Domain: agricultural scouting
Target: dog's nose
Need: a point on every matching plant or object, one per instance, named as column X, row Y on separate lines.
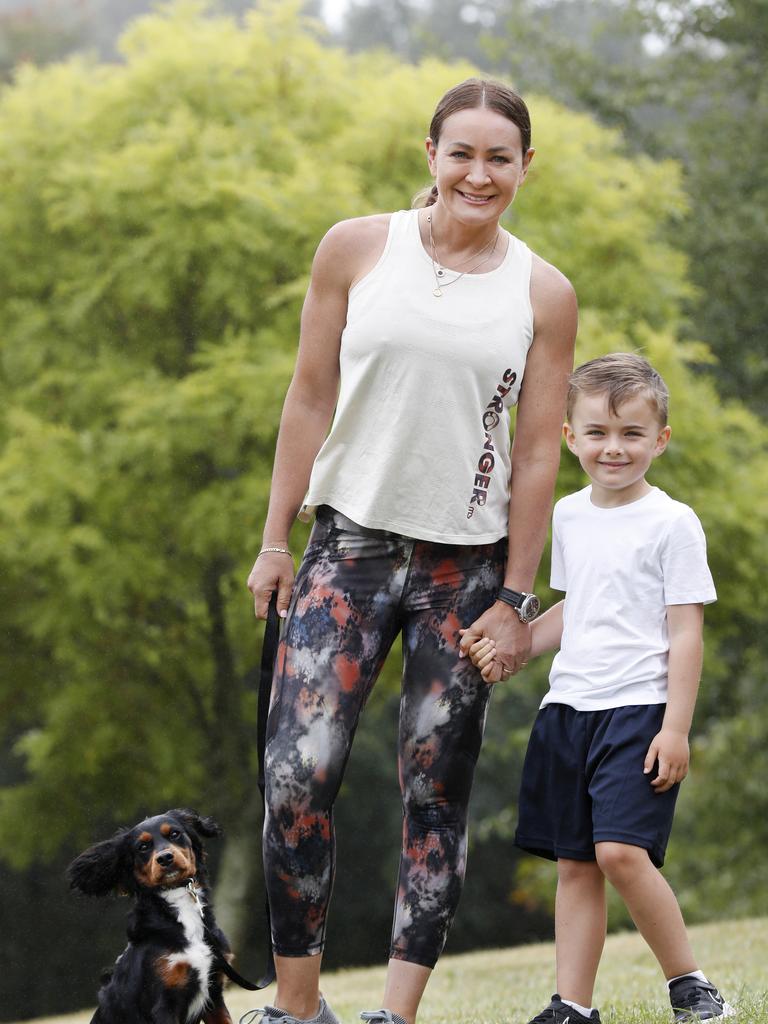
column 165, row 859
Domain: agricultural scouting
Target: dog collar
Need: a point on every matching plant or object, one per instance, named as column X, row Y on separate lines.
column 194, row 892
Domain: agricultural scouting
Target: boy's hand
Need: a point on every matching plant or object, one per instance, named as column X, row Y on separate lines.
column 670, row 749
column 482, row 654
column 511, row 636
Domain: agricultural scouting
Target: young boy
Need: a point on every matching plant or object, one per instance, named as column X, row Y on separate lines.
column 610, row 743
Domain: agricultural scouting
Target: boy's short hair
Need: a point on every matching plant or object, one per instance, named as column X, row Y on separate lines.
column 619, row 375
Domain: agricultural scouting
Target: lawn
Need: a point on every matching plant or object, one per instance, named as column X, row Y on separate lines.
column 509, row 986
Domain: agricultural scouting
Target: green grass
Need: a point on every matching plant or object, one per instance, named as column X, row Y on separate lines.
column 509, row 986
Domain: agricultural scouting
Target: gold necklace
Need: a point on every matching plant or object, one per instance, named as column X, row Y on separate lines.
column 439, row 270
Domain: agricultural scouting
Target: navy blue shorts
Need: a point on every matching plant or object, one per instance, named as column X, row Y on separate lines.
column 583, row 783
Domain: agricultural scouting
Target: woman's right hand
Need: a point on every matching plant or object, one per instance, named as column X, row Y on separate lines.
column 272, row 570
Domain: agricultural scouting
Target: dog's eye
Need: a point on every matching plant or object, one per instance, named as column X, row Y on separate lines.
column 142, row 846
column 174, row 834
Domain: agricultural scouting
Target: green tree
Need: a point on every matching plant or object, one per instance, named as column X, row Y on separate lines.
column 716, row 56
column 159, row 219
column 588, row 54
column 164, row 214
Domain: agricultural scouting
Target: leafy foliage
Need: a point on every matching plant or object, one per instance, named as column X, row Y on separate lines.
column 718, row 57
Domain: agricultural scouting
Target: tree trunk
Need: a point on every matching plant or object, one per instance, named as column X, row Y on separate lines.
column 239, row 890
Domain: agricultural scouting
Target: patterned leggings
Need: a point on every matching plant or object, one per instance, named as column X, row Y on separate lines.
column 355, row 590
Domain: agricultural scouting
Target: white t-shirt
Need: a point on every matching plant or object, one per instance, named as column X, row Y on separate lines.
column 620, row 568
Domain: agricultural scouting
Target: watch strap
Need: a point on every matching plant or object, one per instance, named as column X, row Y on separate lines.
column 512, row 597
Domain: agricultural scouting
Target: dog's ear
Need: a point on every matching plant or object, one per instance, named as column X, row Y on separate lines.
column 192, row 821
column 101, row 869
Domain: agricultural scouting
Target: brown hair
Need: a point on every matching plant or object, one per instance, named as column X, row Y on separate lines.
column 469, row 95
column 619, row 375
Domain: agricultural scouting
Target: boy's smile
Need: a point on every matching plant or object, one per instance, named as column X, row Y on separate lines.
column 615, row 450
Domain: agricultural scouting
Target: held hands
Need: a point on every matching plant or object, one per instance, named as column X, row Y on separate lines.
column 482, row 654
column 271, row 571
column 670, row 749
column 498, row 643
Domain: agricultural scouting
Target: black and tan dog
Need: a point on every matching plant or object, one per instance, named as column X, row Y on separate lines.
column 170, row 972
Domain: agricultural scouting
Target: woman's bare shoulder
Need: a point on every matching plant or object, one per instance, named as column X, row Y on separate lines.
column 555, row 310
column 357, row 236
column 352, row 247
column 548, row 284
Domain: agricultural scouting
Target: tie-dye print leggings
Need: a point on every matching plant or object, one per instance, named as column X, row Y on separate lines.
column 355, row 590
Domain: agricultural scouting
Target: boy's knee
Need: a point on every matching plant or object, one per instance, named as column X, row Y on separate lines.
column 578, row 872
column 620, row 861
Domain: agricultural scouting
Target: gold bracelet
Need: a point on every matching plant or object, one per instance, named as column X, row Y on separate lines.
column 282, row 551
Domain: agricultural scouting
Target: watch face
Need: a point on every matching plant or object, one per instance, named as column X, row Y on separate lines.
column 530, row 608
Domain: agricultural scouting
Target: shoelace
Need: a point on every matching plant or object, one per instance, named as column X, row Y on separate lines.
column 268, row 1015
column 381, row 1017
column 690, row 995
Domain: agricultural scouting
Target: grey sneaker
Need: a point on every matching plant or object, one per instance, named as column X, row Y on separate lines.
column 693, row 1000
column 382, row 1017
column 274, row 1015
column 559, row 1012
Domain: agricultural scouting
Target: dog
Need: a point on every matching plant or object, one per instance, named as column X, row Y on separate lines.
column 171, row 970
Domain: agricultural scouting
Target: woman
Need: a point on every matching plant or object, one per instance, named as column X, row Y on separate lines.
column 421, row 328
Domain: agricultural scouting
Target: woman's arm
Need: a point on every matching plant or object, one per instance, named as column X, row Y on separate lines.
column 535, row 460
column 346, row 253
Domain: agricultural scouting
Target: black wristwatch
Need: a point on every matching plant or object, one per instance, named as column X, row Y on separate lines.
column 526, row 605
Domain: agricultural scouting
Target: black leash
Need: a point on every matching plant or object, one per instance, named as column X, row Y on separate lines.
column 220, row 957
column 268, row 657
column 222, row 962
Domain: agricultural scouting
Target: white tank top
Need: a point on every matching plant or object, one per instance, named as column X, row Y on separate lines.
column 420, row 439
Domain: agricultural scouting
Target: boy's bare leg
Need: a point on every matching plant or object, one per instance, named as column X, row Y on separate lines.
column 404, row 988
column 580, row 922
column 298, row 985
column 651, row 903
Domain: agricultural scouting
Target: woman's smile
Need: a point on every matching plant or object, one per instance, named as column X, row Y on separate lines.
column 475, row 198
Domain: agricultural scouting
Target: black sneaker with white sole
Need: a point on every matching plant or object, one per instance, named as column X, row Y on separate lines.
column 559, row 1012
column 693, row 999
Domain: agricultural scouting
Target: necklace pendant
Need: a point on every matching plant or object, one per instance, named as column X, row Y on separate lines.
column 437, row 293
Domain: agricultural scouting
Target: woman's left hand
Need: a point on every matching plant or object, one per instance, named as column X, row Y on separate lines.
column 511, row 636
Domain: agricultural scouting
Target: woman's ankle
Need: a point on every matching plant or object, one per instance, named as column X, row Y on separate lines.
column 298, row 1005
